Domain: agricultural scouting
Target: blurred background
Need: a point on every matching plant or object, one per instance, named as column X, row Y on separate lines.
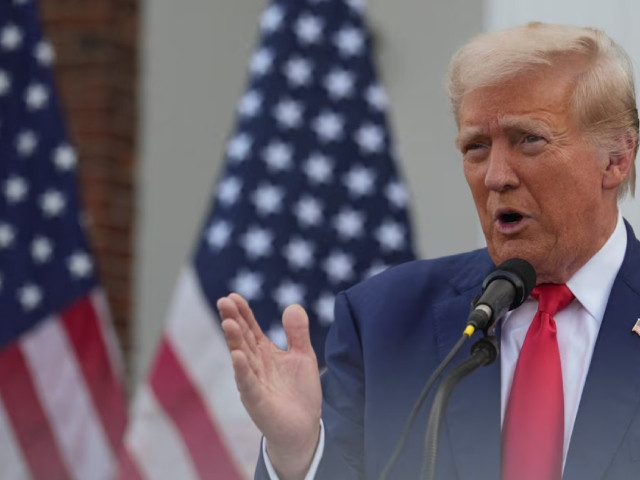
column 150, row 90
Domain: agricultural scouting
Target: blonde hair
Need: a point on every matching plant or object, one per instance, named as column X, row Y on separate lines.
column 603, row 98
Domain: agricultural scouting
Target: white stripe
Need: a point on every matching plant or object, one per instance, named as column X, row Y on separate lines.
column 101, row 307
column 153, row 442
column 12, row 463
column 198, row 341
column 67, row 403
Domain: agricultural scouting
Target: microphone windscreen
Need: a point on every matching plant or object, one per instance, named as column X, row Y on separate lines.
column 524, row 271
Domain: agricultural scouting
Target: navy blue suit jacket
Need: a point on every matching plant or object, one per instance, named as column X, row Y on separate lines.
column 394, row 329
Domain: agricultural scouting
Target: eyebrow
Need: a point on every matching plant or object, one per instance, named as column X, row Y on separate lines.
column 507, row 122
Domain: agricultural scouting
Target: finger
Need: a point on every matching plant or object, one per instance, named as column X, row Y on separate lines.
column 246, row 380
column 247, row 314
column 296, row 325
column 228, row 308
column 236, row 342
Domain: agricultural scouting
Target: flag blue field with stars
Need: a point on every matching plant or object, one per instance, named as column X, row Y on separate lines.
column 62, row 407
column 310, row 201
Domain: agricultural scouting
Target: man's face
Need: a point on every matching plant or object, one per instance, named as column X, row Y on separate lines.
column 538, row 185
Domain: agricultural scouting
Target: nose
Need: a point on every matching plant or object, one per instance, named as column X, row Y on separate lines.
column 500, row 174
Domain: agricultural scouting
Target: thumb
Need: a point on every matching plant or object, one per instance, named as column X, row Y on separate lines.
column 296, row 325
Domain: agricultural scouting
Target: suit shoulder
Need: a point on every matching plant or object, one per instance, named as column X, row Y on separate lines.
column 457, row 272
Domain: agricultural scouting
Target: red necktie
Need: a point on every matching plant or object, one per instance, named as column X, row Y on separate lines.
column 533, row 430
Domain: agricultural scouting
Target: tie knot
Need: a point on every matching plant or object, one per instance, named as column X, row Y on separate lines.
column 552, row 297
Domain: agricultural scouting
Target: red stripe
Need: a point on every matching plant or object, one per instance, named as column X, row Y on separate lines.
column 182, row 403
column 128, row 470
column 82, row 325
column 29, row 421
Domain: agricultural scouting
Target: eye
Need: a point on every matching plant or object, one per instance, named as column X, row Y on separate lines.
column 532, row 138
column 532, row 144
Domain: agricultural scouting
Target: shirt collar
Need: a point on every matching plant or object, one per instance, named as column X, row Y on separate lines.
column 591, row 285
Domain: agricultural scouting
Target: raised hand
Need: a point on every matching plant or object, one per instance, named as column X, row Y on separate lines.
column 279, row 389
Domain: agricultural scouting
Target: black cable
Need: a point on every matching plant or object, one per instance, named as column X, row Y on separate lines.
column 416, row 408
column 483, row 352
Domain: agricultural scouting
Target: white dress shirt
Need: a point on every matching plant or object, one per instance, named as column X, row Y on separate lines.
column 577, row 326
column 577, row 330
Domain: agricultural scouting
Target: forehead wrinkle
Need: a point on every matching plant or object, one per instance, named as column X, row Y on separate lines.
column 522, row 122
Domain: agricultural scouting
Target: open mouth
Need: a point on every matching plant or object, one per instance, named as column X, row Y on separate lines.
column 510, row 217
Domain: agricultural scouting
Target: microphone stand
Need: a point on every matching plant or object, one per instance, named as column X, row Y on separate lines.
column 483, row 352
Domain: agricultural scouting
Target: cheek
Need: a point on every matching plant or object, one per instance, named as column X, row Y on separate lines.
column 474, row 175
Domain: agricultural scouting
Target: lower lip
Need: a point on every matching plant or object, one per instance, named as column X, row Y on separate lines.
column 511, row 228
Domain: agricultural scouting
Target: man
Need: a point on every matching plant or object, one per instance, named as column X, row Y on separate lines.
column 548, row 131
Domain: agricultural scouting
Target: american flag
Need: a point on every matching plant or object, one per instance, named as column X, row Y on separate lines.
column 62, row 409
column 309, row 203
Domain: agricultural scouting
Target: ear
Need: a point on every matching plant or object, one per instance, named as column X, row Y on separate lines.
column 620, row 164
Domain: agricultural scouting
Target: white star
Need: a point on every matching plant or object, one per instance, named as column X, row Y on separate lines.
column 257, row 242
column 299, row 253
column 248, row 284
column 357, row 5
column 36, row 96
column 298, row 71
column 218, row 234
column 390, row 236
column 250, row 104
column 5, row 83
column 52, row 203
column 360, row 181
column 338, row 266
column 377, row 97
column 7, row 235
column 10, row 37
column 308, row 29
column 278, row 336
column 339, row 84
column 44, row 53
column 26, row 143
column 267, row 199
column 15, row 189
column 397, row 194
column 328, row 126
column 229, row 190
column 64, row 157
column 261, row 62
column 41, row 249
column 318, row 168
column 272, row 19
column 308, row 210
column 349, row 223
column 239, row 147
column 350, row 41
column 29, row 296
column 324, row 307
column 80, row 265
column 288, row 293
column 370, row 138
column 278, row 156
column 288, row 113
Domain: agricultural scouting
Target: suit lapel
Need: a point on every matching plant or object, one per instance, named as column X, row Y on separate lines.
column 472, row 418
column 611, row 393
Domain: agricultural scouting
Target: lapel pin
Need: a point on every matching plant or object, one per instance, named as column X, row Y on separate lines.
column 636, row 327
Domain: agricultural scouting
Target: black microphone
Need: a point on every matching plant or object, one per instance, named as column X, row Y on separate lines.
column 504, row 289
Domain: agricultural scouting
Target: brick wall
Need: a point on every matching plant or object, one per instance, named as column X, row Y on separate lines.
column 96, row 44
